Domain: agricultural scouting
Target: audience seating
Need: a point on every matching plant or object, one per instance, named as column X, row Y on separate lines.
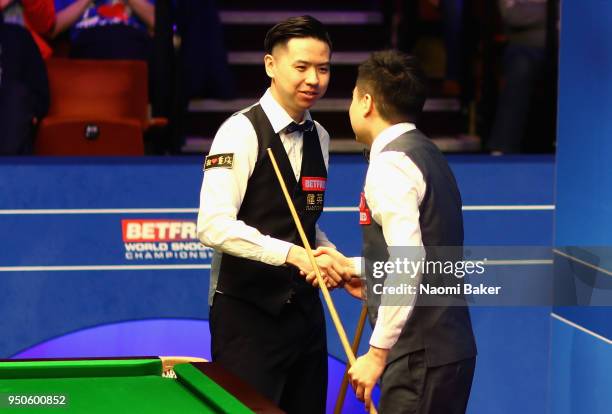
column 98, row 107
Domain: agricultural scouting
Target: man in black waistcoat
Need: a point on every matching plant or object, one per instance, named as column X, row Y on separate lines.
column 422, row 347
column 266, row 322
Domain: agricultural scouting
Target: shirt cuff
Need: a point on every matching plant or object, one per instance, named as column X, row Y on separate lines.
column 383, row 337
column 357, row 265
column 275, row 251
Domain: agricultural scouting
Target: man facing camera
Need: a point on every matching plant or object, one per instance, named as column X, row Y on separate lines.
column 422, row 348
column 266, row 321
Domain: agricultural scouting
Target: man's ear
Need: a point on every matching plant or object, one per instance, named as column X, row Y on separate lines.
column 269, row 63
column 367, row 104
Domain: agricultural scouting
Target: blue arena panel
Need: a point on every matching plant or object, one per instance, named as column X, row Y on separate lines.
column 580, row 377
column 54, row 303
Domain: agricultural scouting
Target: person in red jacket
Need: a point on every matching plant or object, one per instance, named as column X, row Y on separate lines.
column 37, row 15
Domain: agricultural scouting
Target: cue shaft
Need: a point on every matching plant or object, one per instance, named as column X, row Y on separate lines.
column 313, row 262
column 355, row 346
column 328, row 300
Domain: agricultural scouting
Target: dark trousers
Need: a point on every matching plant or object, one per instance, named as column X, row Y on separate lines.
column 408, row 386
column 523, row 68
column 16, row 116
column 284, row 357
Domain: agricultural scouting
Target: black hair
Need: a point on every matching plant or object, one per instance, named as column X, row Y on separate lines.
column 397, row 83
column 295, row 27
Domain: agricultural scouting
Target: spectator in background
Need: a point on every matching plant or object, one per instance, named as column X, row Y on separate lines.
column 24, row 89
column 452, row 17
column 107, row 29
column 403, row 17
column 523, row 64
column 37, row 15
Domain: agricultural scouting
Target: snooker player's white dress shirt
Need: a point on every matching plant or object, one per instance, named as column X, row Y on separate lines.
column 223, row 189
column 394, row 189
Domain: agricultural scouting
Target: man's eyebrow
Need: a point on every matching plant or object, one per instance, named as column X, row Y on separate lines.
column 305, row 62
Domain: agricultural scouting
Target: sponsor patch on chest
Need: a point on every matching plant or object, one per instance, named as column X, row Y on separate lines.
column 314, row 184
column 314, row 201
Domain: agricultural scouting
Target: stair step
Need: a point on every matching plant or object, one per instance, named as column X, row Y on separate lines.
column 325, row 104
column 271, row 17
column 251, row 80
column 461, row 143
column 337, row 123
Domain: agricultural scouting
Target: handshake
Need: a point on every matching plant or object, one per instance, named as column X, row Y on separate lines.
column 336, row 269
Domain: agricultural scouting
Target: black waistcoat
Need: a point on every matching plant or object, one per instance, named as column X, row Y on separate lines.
column 264, row 207
column 441, row 327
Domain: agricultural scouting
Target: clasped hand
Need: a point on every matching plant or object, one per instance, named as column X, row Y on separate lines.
column 335, row 269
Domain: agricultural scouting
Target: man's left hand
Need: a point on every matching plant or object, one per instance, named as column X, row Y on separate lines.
column 366, row 371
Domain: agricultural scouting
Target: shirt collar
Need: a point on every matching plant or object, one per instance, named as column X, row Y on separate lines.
column 279, row 118
column 388, row 135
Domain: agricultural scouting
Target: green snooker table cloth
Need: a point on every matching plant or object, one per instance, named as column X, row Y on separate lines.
column 92, row 386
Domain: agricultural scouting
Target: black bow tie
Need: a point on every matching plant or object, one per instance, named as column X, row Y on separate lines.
column 307, row 125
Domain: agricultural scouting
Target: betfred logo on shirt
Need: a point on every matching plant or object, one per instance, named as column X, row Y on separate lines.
column 313, row 183
column 135, row 231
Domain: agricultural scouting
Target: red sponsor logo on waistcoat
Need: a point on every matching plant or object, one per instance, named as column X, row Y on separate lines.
column 314, row 183
column 364, row 212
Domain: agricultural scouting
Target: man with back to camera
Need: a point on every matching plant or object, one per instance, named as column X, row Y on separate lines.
column 266, row 322
column 423, row 352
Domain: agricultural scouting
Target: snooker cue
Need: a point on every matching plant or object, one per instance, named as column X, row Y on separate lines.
column 328, row 300
column 355, row 346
